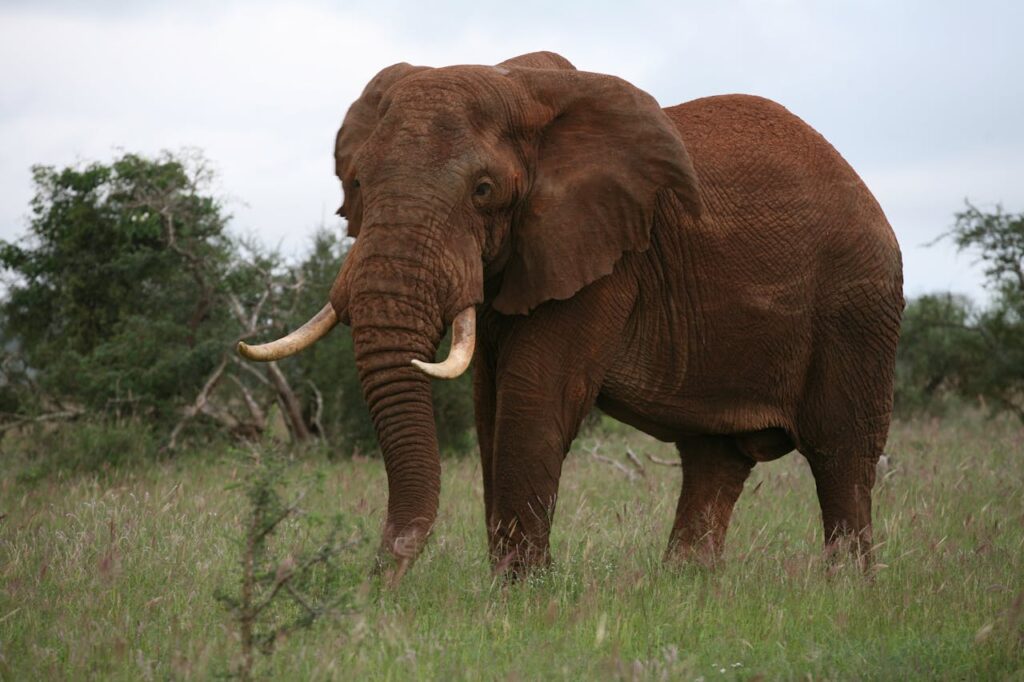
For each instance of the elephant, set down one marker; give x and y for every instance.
(713, 274)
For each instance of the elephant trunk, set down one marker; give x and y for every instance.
(388, 330)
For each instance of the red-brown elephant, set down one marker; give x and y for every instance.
(713, 273)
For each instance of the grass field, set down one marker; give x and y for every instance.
(112, 576)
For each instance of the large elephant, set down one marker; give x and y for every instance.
(712, 273)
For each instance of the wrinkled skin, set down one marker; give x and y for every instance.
(713, 273)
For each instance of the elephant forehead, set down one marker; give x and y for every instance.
(443, 140)
(438, 142)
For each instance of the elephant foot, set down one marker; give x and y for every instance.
(517, 565)
(844, 547)
(704, 552)
(515, 556)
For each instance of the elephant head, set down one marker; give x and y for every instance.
(529, 175)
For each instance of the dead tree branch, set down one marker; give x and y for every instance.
(662, 462)
(199, 404)
(259, 417)
(318, 412)
(50, 416)
(636, 462)
(291, 405)
(614, 463)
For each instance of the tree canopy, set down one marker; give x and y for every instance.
(128, 294)
(949, 346)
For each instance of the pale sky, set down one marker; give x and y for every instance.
(924, 98)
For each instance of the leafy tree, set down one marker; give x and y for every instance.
(114, 287)
(125, 300)
(938, 349)
(950, 348)
(997, 238)
(128, 294)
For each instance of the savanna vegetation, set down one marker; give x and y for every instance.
(134, 444)
(114, 576)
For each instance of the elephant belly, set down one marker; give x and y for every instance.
(651, 426)
(766, 444)
(760, 445)
(763, 437)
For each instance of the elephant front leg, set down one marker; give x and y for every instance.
(525, 491)
(537, 420)
(548, 371)
(485, 405)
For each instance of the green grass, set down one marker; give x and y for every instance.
(112, 575)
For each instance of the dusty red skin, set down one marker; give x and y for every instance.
(712, 273)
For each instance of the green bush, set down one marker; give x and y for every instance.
(83, 447)
(953, 352)
(937, 351)
(128, 295)
(115, 285)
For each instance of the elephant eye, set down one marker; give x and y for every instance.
(355, 184)
(483, 189)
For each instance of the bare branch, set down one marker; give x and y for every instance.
(228, 420)
(199, 404)
(300, 600)
(319, 557)
(636, 461)
(663, 462)
(258, 415)
(51, 416)
(252, 369)
(319, 411)
(619, 466)
(291, 405)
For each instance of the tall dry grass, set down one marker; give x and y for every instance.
(112, 575)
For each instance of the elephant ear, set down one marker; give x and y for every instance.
(604, 150)
(357, 127)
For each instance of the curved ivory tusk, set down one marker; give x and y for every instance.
(303, 337)
(463, 343)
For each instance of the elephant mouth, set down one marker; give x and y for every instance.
(459, 357)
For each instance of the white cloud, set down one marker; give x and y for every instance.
(923, 99)
(920, 200)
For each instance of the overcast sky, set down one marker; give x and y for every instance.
(925, 99)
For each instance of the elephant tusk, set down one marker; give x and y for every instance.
(463, 343)
(303, 337)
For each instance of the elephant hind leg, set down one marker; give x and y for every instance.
(714, 470)
(844, 425)
(844, 493)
